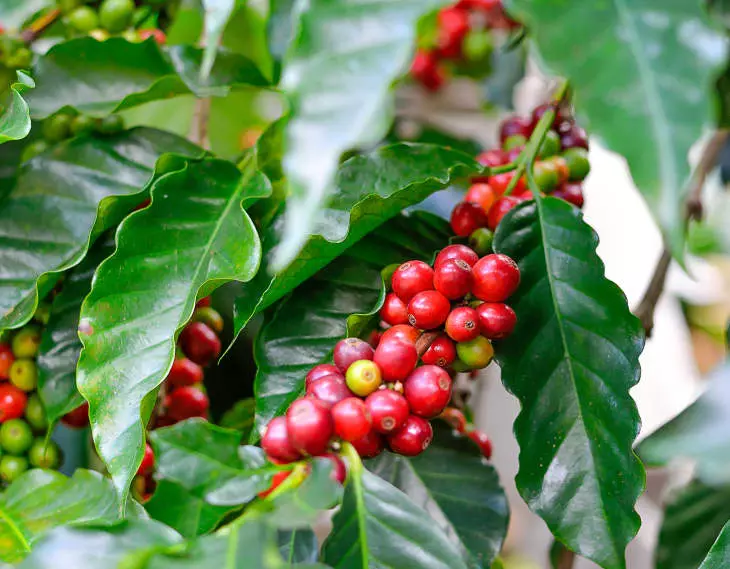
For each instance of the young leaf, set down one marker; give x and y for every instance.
(467, 494)
(571, 361)
(98, 78)
(653, 96)
(95, 182)
(379, 526)
(719, 555)
(701, 433)
(692, 519)
(41, 500)
(60, 344)
(338, 75)
(303, 329)
(14, 113)
(193, 237)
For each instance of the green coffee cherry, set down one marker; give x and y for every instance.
(11, 467)
(546, 176)
(21, 58)
(478, 45)
(42, 455)
(514, 141)
(16, 436)
(578, 164)
(209, 316)
(27, 341)
(83, 19)
(24, 374)
(67, 6)
(57, 128)
(33, 149)
(481, 241)
(476, 353)
(35, 414)
(82, 124)
(116, 15)
(550, 145)
(111, 125)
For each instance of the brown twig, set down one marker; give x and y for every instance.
(424, 342)
(693, 204)
(199, 133)
(38, 26)
(565, 559)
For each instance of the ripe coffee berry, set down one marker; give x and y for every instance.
(351, 419)
(496, 278)
(541, 110)
(462, 324)
(460, 252)
(388, 410)
(441, 352)
(413, 438)
(492, 158)
(481, 194)
(148, 461)
(200, 343)
(496, 320)
(395, 359)
(514, 125)
(369, 446)
(411, 278)
(427, 71)
(321, 370)
(455, 418)
(12, 402)
(453, 279)
(476, 353)
(276, 443)
(394, 310)
(7, 359)
(310, 427)
(500, 183)
(571, 193)
(485, 445)
(403, 332)
(573, 137)
(428, 391)
(428, 310)
(351, 350)
(184, 372)
(76, 419)
(466, 217)
(453, 25)
(339, 470)
(500, 209)
(331, 389)
(276, 481)
(186, 402)
(363, 377)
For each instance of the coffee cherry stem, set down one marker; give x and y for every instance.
(352, 457)
(298, 474)
(501, 169)
(425, 340)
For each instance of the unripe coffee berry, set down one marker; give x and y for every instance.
(496, 320)
(394, 310)
(462, 324)
(428, 391)
(550, 144)
(500, 208)
(209, 316)
(24, 374)
(403, 332)
(496, 278)
(310, 427)
(331, 389)
(578, 164)
(351, 350)
(546, 176)
(461, 252)
(276, 443)
(148, 461)
(428, 310)
(26, 342)
(16, 436)
(441, 352)
(411, 278)
(466, 218)
(186, 403)
(184, 372)
(12, 402)
(388, 410)
(476, 353)
(321, 370)
(413, 438)
(481, 194)
(395, 359)
(369, 446)
(363, 377)
(44, 454)
(351, 419)
(481, 241)
(200, 343)
(453, 279)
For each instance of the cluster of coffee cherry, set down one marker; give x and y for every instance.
(135, 21)
(461, 42)
(14, 53)
(23, 422)
(561, 167)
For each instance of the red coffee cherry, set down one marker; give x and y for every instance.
(403, 332)
(186, 402)
(467, 217)
(500, 183)
(453, 278)
(453, 25)
(427, 71)
(339, 470)
(460, 252)
(200, 343)
(514, 125)
(500, 209)
(541, 110)
(481, 194)
(388, 409)
(276, 443)
(571, 192)
(148, 461)
(514, 153)
(575, 137)
(203, 302)
(370, 446)
(394, 310)
(492, 158)
(441, 352)
(496, 320)
(76, 419)
(496, 278)
(363, 377)
(462, 324)
(396, 359)
(413, 438)
(12, 402)
(428, 310)
(455, 418)
(351, 350)
(428, 391)
(319, 371)
(351, 419)
(374, 338)
(485, 445)
(310, 427)
(184, 372)
(155, 33)
(276, 481)
(7, 358)
(411, 278)
(331, 389)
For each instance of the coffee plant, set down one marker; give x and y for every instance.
(219, 270)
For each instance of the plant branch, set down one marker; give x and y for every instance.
(38, 26)
(566, 559)
(200, 126)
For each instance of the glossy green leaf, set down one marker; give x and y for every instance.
(217, 14)
(370, 190)
(13, 13)
(303, 329)
(95, 182)
(14, 113)
(298, 546)
(379, 526)
(571, 361)
(41, 500)
(452, 479)
(719, 555)
(693, 517)
(653, 95)
(98, 78)
(280, 27)
(700, 433)
(194, 237)
(60, 344)
(338, 75)
(240, 417)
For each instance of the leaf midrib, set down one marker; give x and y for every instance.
(14, 528)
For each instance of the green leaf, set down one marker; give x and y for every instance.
(692, 519)
(241, 417)
(378, 526)
(338, 75)
(95, 182)
(280, 27)
(303, 329)
(452, 479)
(13, 13)
(193, 237)
(508, 69)
(370, 190)
(571, 361)
(217, 14)
(700, 433)
(98, 78)
(41, 500)
(298, 546)
(653, 96)
(14, 113)
(60, 344)
(719, 555)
